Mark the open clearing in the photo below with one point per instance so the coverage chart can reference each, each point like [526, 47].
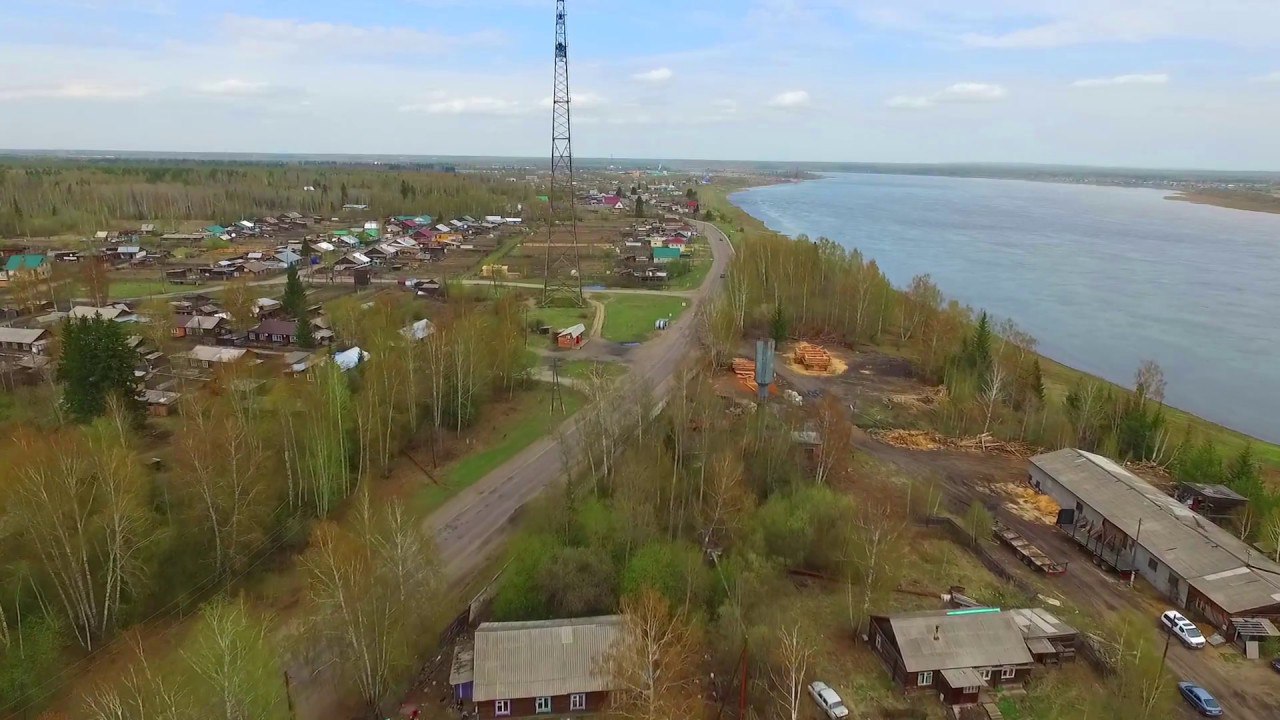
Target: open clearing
[631, 317]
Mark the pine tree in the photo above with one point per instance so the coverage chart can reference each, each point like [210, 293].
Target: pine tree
[295, 295]
[96, 363]
[778, 324]
[1242, 471]
[306, 336]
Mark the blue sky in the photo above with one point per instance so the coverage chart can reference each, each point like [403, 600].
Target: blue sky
[1163, 83]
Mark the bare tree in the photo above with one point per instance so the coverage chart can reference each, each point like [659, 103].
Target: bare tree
[654, 662]
[836, 431]
[1149, 381]
[791, 663]
[870, 558]
[237, 669]
[993, 392]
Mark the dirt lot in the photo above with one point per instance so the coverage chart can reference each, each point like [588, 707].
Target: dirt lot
[1246, 689]
[597, 238]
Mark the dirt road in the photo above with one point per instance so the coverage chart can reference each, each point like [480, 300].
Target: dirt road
[474, 524]
[1247, 690]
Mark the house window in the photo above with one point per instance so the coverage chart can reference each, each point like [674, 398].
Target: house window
[1152, 565]
[924, 678]
[578, 701]
[971, 690]
[501, 707]
[1007, 673]
[543, 705]
[985, 673]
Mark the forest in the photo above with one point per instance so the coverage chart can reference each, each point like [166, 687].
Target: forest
[52, 198]
[110, 523]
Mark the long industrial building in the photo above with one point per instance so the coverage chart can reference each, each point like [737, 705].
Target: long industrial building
[1133, 526]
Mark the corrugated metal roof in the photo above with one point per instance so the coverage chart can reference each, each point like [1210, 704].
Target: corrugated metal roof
[21, 336]
[541, 659]
[1210, 559]
[938, 641]
[1038, 622]
[963, 678]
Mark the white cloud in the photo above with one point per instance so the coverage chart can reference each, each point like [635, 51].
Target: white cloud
[271, 36]
[963, 92]
[467, 106]
[655, 76]
[234, 87]
[74, 91]
[971, 92]
[1269, 78]
[790, 99]
[1137, 79]
[579, 101]
[909, 102]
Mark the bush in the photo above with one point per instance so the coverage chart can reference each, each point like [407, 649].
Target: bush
[673, 569]
[520, 595]
[578, 582]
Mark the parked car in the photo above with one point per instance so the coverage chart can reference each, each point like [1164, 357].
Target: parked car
[1182, 628]
[1200, 699]
[828, 700]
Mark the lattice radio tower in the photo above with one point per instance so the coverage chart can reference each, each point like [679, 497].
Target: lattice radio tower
[563, 280]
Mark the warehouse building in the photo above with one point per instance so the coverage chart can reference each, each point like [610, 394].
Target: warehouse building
[1134, 527]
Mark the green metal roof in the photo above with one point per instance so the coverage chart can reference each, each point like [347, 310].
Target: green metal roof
[24, 262]
[341, 233]
[215, 229]
[666, 253]
[370, 232]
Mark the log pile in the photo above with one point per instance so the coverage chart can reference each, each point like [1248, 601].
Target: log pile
[930, 440]
[746, 371]
[812, 357]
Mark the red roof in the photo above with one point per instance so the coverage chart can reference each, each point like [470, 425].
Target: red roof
[612, 200]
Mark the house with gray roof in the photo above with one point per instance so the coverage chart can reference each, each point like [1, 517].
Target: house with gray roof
[955, 653]
[1135, 527]
[547, 667]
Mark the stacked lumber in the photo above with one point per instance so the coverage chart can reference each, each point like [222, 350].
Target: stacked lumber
[929, 440]
[812, 357]
[746, 371]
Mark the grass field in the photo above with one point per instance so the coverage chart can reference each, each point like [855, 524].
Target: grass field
[584, 369]
[139, 288]
[561, 318]
[630, 318]
[504, 437]
[700, 264]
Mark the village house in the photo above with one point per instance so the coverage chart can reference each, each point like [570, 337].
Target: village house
[199, 326]
[209, 356]
[955, 653]
[664, 255]
[24, 341]
[572, 337]
[275, 332]
[265, 307]
[119, 313]
[351, 261]
[17, 267]
[160, 403]
[1134, 527]
[547, 667]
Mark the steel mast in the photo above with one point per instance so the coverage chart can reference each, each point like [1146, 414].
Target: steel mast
[562, 284]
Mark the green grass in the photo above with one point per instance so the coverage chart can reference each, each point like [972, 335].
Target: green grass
[140, 288]
[561, 318]
[700, 265]
[630, 317]
[584, 369]
[505, 437]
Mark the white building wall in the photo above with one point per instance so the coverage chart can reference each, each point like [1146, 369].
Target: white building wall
[1150, 568]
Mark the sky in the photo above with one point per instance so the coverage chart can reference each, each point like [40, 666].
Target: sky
[1138, 83]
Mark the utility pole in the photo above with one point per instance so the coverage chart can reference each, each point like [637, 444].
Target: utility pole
[562, 278]
[1133, 557]
[557, 399]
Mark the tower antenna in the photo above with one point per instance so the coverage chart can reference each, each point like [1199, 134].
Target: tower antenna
[562, 280]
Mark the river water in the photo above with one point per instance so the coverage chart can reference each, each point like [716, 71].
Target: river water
[1103, 277]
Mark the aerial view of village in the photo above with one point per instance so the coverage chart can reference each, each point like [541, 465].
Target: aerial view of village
[304, 437]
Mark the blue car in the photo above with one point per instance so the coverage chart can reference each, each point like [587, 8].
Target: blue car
[1200, 699]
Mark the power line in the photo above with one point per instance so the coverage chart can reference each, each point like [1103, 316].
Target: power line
[562, 280]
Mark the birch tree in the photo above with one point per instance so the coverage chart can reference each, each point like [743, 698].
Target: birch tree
[787, 676]
[372, 585]
[237, 669]
[870, 557]
[654, 661]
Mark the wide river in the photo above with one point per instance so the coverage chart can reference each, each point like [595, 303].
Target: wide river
[1103, 277]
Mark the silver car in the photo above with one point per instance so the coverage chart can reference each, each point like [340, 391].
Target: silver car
[828, 700]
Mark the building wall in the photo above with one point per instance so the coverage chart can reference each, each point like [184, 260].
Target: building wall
[527, 707]
[1148, 566]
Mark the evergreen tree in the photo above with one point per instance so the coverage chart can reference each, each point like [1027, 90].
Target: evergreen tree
[691, 194]
[778, 325]
[1200, 463]
[295, 295]
[96, 363]
[1242, 471]
[639, 206]
[306, 335]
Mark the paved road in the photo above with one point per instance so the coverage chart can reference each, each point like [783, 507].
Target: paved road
[472, 526]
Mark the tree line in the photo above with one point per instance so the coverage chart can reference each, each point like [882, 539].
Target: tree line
[95, 537]
[63, 198]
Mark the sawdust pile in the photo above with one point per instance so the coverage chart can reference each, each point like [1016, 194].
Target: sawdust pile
[1029, 504]
[930, 440]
